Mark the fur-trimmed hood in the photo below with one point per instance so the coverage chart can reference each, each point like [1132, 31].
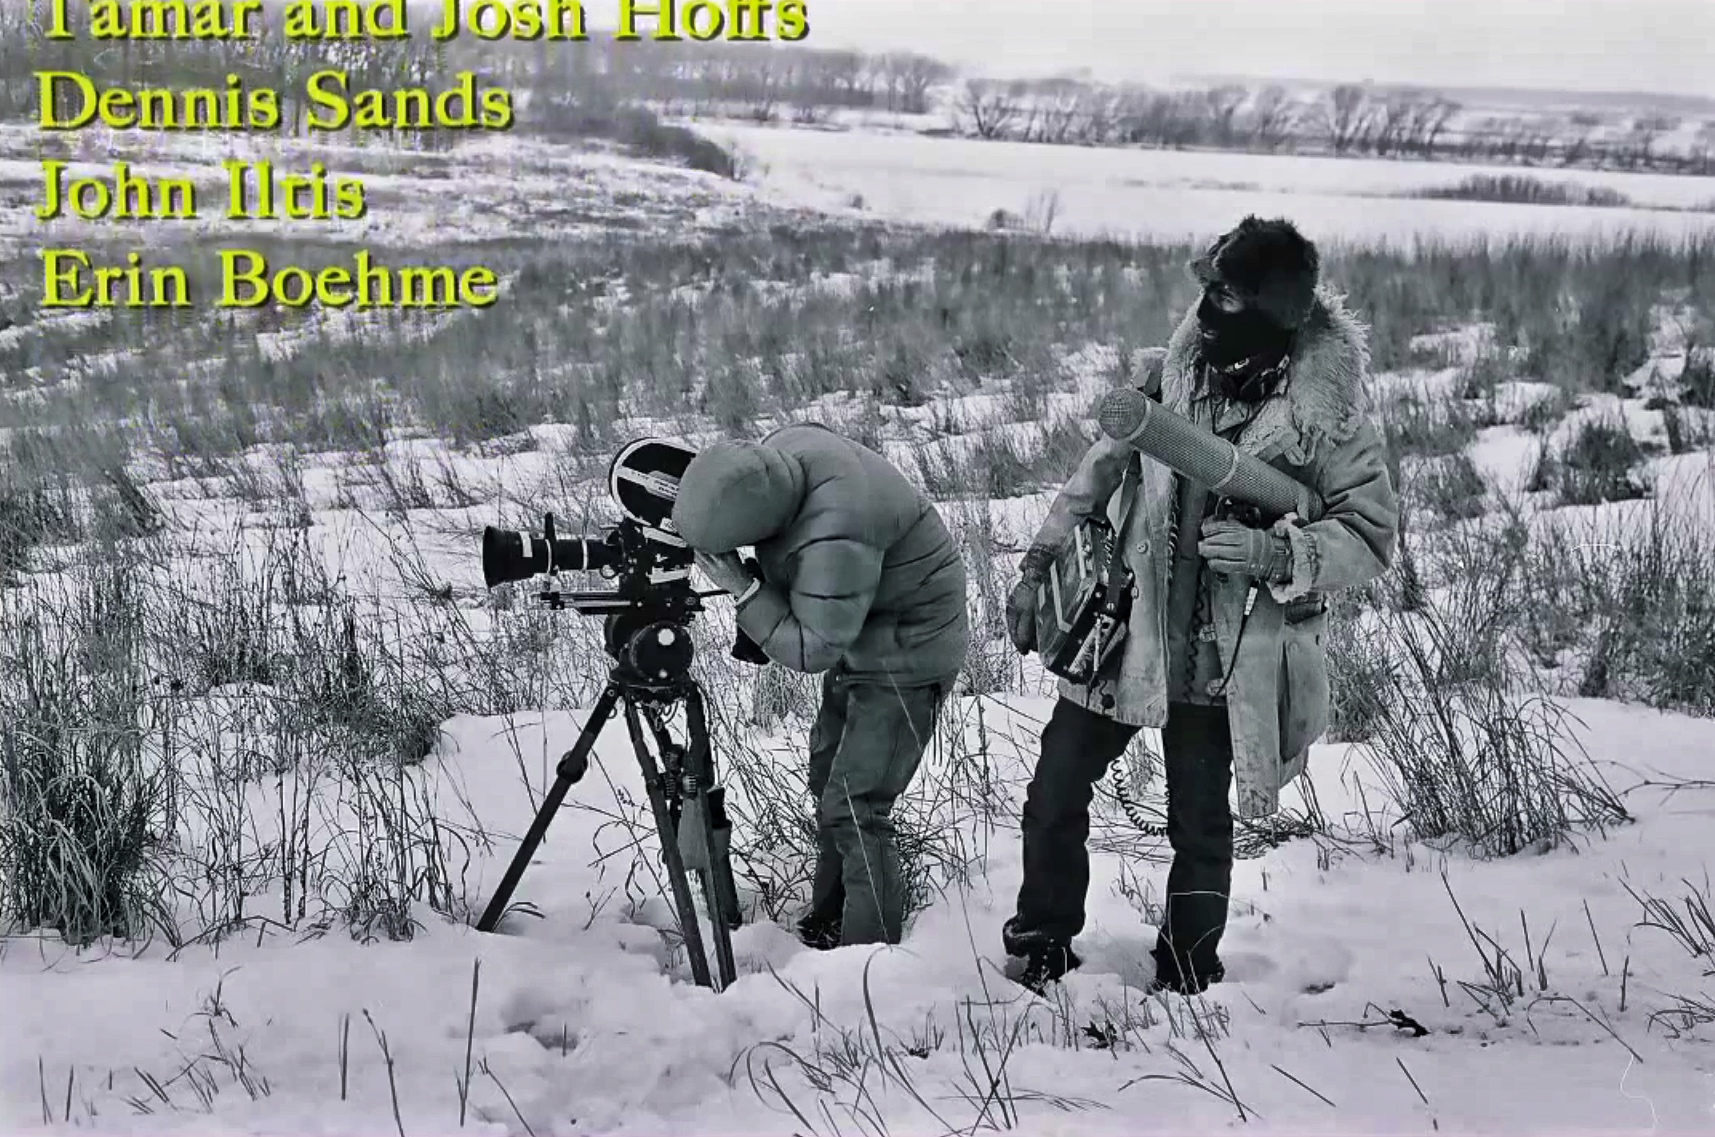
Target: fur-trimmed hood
[1326, 394]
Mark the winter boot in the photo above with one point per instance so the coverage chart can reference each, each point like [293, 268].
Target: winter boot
[820, 933]
[1048, 965]
[1173, 980]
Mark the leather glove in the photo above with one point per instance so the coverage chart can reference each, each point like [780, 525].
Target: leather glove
[727, 571]
[1238, 550]
[746, 650]
[1021, 604]
[1021, 616]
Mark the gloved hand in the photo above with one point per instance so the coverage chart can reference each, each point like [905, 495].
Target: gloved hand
[1021, 604]
[1238, 550]
[746, 650]
[726, 570]
[1021, 616]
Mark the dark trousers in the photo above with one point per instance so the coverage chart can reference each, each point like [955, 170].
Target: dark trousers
[1077, 748]
[865, 747]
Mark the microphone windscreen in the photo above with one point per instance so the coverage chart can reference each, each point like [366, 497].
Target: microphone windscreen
[1122, 413]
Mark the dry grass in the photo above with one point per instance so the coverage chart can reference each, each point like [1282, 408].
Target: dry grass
[971, 357]
[171, 687]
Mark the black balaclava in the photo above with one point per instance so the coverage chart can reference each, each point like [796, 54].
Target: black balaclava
[1243, 350]
[1272, 270]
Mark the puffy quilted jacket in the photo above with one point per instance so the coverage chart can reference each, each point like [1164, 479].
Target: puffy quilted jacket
[859, 568]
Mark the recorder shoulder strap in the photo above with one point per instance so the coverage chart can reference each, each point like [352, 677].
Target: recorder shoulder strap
[1116, 558]
[1128, 486]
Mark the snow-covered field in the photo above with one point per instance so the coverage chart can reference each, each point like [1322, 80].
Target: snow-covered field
[1377, 983]
[1171, 195]
[585, 1030]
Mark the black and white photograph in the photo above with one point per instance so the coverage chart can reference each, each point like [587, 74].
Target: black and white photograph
[857, 568]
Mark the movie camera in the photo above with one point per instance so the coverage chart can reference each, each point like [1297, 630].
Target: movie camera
[646, 631]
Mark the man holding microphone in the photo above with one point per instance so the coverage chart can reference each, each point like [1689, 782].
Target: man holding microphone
[1223, 650]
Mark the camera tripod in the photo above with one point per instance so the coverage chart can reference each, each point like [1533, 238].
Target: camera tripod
[689, 807]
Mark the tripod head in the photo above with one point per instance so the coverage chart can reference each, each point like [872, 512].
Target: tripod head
[652, 653]
[647, 624]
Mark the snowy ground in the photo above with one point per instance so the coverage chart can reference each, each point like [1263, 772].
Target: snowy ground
[586, 1030]
[583, 1021]
[1171, 195]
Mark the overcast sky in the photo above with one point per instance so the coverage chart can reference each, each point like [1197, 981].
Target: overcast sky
[1615, 45]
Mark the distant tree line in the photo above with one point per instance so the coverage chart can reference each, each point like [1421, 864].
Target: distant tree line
[590, 87]
[802, 85]
[807, 85]
[1348, 120]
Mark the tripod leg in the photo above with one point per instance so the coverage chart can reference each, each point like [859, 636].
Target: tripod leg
[689, 926]
[719, 888]
[697, 816]
[570, 771]
[706, 810]
[720, 856]
[701, 759]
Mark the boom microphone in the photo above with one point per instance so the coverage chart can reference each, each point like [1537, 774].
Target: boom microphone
[1127, 415]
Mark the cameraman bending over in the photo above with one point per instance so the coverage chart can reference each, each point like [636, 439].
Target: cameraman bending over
[855, 577]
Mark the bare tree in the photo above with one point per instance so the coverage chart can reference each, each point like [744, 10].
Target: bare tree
[1506, 138]
[1221, 105]
[763, 84]
[1344, 116]
[1098, 116]
[1273, 116]
[1646, 131]
[1576, 146]
[988, 108]
[810, 87]
[1172, 120]
[1702, 154]
[877, 79]
[909, 77]
[1054, 109]
[845, 76]
[1393, 122]
[1538, 140]
[1437, 117]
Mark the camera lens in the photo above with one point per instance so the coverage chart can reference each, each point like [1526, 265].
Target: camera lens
[509, 555]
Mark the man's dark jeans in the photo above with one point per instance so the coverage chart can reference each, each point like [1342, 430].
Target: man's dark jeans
[1077, 747]
[865, 747]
